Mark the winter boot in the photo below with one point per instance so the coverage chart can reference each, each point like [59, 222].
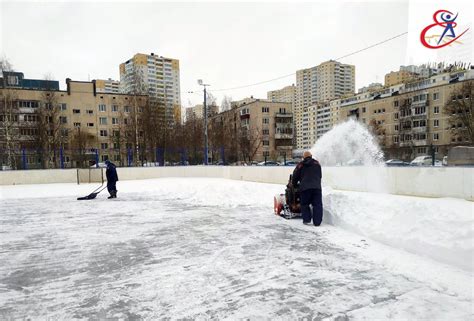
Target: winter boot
[115, 194]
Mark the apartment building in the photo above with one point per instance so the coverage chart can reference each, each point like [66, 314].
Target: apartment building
[316, 85]
[259, 129]
[157, 76]
[93, 125]
[409, 118]
[107, 86]
[197, 112]
[17, 80]
[399, 77]
[286, 94]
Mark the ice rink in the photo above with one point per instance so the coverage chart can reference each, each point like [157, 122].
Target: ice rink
[205, 248]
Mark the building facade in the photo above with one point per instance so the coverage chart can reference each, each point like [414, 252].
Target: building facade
[107, 86]
[156, 76]
[89, 126]
[17, 80]
[316, 86]
[399, 77]
[197, 112]
[286, 94]
[410, 118]
[256, 131]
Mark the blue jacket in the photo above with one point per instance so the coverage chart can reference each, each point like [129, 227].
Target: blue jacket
[111, 172]
[308, 174]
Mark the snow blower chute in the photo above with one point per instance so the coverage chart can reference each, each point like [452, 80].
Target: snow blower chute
[288, 205]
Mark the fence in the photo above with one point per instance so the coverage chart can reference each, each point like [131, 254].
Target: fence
[27, 158]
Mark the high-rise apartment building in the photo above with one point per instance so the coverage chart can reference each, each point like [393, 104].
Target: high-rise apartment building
[107, 86]
[156, 76]
[316, 85]
[197, 112]
[285, 95]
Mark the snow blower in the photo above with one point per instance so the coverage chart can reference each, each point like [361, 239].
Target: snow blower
[288, 205]
[94, 194]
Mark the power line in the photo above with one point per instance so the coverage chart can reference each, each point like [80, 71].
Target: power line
[294, 73]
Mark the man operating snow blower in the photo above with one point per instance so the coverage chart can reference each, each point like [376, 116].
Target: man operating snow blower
[307, 176]
[112, 178]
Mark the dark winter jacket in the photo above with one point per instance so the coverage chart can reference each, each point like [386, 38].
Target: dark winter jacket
[308, 174]
[111, 172]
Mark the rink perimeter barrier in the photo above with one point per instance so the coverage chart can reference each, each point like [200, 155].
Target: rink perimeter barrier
[415, 181]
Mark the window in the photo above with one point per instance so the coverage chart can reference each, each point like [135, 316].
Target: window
[265, 110]
[117, 158]
[115, 121]
[266, 153]
[90, 124]
[77, 124]
[64, 132]
[63, 119]
[116, 133]
[436, 123]
[103, 120]
[63, 106]
[265, 132]
[76, 111]
[395, 116]
[265, 121]
[363, 109]
[396, 139]
[103, 133]
[104, 146]
[104, 157]
[435, 96]
[396, 127]
[114, 108]
[421, 150]
[395, 103]
[116, 146]
[266, 143]
[435, 136]
[102, 107]
[89, 111]
[436, 110]
[126, 109]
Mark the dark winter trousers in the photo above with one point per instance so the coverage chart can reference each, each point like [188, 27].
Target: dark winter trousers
[314, 197]
[111, 187]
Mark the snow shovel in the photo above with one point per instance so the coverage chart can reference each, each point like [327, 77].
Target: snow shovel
[92, 195]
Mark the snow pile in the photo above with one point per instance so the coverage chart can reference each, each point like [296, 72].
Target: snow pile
[348, 143]
[441, 229]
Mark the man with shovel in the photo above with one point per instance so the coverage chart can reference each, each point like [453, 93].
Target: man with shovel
[112, 178]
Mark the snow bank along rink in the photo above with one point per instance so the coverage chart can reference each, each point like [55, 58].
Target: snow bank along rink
[211, 248]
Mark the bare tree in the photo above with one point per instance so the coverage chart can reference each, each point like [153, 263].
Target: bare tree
[461, 113]
[50, 126]
[9, 113]
[80, 140]
[226, 103]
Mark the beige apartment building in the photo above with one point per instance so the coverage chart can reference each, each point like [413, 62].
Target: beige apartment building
[93, 125]
[399, 77]
[254, 131]
[197, 111]
[107, 86]
[316, 86]
[409, 118]
[286, 94]
[156, 76]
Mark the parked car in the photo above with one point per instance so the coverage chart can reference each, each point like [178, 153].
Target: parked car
[354, 162]
[396, 162]
[268, 163]
[421, 161]
[289, 163]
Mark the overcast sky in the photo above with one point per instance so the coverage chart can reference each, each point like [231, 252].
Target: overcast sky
[226, 44]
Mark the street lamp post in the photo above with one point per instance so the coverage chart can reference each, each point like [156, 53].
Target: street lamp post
[206, 147]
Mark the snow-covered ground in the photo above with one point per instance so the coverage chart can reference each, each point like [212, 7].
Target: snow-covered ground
[211, 248]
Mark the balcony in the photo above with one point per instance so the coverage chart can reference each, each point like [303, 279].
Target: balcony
[283, 136]
[244, 116]
[284, 115]
[417, 130]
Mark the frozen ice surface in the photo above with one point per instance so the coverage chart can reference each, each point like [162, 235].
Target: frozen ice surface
[211, 248]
